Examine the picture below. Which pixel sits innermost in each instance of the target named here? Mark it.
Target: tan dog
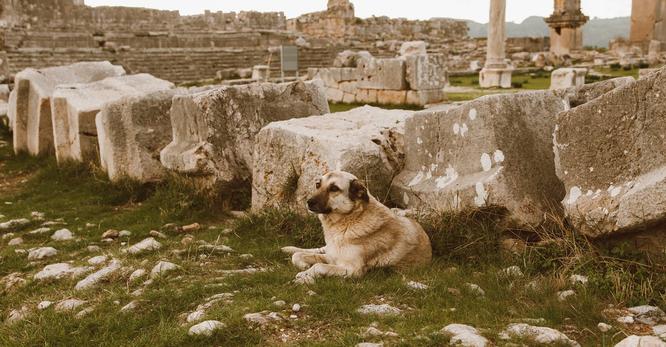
(360, 233)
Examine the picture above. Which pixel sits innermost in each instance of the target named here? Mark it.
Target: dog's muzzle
(314, 205)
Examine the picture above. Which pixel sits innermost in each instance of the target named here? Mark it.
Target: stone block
(261, 72)
(214, 131)
(425, 72)
(413, 48)
(131, 133)
(366, 96)
(31, 105)
(351, 59)
(642, 73)
(366, 141)
(330, 76)
(349, 74)
(425, 97)
(386, 74)
(349, 98)
(334, 95)
(567, 77)
(495, 150)
(391, 97)
(348, 87)
(75, 107)
(611, 156)
(495, 78)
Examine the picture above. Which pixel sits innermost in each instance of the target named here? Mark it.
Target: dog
(360, 232)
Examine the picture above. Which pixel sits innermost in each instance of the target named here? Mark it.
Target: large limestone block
(495, 150)
(214, 131)
(611, 156)
(382, 74)
(290, 155)
(30, 102)
(567, 77)
(411, 48)
(75, 107)
(131, 133)
(426, 72)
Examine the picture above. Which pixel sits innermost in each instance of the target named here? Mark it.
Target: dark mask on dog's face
(337, 192)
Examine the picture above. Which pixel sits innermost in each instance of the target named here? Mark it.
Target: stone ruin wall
(187, 48)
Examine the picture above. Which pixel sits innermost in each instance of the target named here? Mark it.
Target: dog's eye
(334, 188)
(318, 185)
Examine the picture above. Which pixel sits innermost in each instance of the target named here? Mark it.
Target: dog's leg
(292, 250)
(303, 260)
(320, 270)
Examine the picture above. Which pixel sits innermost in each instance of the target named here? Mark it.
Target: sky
(477, 10)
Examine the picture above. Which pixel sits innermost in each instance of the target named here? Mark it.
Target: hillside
(597, 32)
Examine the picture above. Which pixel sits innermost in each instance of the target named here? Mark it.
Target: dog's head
(338, 192)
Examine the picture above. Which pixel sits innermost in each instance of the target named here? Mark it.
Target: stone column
(566, 22)
(496, 72)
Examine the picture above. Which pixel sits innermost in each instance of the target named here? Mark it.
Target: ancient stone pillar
(566, 22)
(496, 72)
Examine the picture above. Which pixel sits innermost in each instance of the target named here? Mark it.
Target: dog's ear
(357, 191)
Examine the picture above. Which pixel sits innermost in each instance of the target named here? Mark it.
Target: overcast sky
(477, 10)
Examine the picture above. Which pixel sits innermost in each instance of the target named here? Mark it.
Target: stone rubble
(41, 253)
(146, 245)
(94, 278)
(62, 235)
(161, 268)
(382, 310)
(541, 335)
(206, 328)
(465, 335)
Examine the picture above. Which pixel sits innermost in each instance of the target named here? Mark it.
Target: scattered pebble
(16, 316)
(296, 307)
(15, 241)
(578, 279)
(542, 335)
(111, 234)
(191, 228)
(146, 245)
(100, 259)
(195, 316)
(162, 268)
(465, 335)
(14, 224)
(205, 328)
(604, 328)
(62, 235)
(42, 230)
(650, 315)
(279, 303)
(12, 281)
(137, 274)
(383, 309)
(68, 305)
(124, 233)
(417, 285)
(155, 233)
(262, 318)
(246, 256)
(96, 277)
(641, 341)
(625, 320)
(94, 249)
(41, 253)
(564, 295)
(129, 307)
(512, 272)
(475, 289)
(59, 270)
(86, 311)
(44, 305)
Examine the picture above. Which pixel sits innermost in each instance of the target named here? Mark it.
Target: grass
(467, 248)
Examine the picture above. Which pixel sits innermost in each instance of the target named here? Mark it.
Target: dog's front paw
(304, 277)
(290, 250)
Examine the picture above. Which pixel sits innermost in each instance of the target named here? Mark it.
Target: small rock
(41, 253)
(108, 240)
(195, 316)
(40, 231)
(68, 305)
(650, 315)
(465, 335)
(417, 285)
(262, 318)
(216, 248)
(191, 228)
(138, 273)
(453, 291)
(246, 256)
(475, 289)
(86, 311)
(16, 316)
(296, 307)
(512, 272)
(155, 233)
(38, 216)
(641, 341)
(96, 277)
(146, 245)
(111, 234)
(129, 307)
(279, 303)
(12, 281)
(369, 344)
(44, 305)
(205, 328)
(659, 330)
(604, 328)
(238, 214)
(94, 249)
(541, 335)
(124, 233)
(186, 240)
(7, 236)
(15, 241)
(162, 268)
(90, 225)
(14, 224)
(170, 227)
(100, 259)
(383, 309)
(578, 279)
(564, 295)
(54, 271)
(62, 235)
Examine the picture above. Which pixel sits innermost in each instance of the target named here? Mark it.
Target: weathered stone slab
(382, 74)
(30, 102)
(132, 131)
(611, 156)
(567, 77)
(425, 97)
(425, 72)
(577, 96)
(214, 131)
(411, 48)
(366, 141)
(75, 107)
(495, 150)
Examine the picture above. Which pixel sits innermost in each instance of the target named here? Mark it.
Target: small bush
(516, 85)
(615, 66)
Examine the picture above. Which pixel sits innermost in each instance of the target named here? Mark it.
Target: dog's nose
(311, 204)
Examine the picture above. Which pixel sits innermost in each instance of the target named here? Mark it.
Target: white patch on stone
(456, 128)
(417, 179)
(498, 156)
(481, 194)
(463, 130)
(614, 191)
(205, 328)
(472, 114)
(486, 162)
(574, 194)
(419, 141)
(451, 176)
